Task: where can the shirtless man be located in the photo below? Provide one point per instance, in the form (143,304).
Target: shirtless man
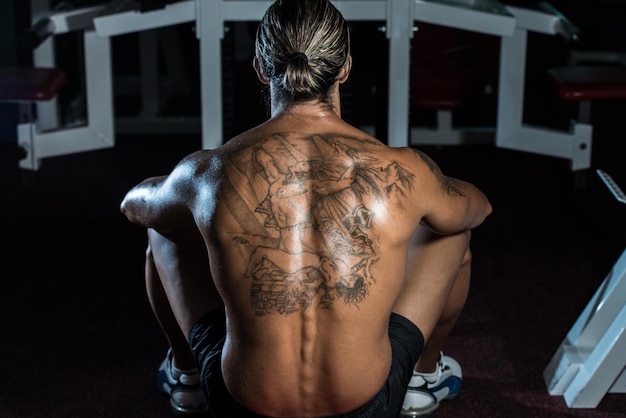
(302,266)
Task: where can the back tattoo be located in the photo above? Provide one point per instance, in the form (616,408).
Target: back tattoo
(304,208)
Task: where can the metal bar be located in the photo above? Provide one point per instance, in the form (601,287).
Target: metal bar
(135,21)
(76,19)
(617,192)
(237,10)
(536,21)
(488,17)
(541,141)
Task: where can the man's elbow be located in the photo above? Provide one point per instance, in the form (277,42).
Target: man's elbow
(125,208)
(487,210)
(130,209)
(482,214)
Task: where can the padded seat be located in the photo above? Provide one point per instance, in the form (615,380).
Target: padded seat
(584,83)
(25,84)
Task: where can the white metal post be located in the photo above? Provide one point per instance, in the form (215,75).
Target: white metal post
(511,85)
(210,30)
(399,33)
(47,112)
(44,56)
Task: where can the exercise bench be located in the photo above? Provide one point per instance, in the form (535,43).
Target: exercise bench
(585,84)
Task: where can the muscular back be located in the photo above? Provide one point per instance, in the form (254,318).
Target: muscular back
(308,244)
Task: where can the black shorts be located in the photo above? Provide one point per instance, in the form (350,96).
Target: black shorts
(207,340)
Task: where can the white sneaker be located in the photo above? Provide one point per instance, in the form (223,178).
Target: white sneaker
(183,387)
(424,395)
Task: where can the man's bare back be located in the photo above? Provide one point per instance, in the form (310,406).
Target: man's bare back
(315,233)
(310,271)
(307,235)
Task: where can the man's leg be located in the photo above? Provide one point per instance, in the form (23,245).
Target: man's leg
(183,267)
(180,290)
(436,288)
(183,358)
(435,292)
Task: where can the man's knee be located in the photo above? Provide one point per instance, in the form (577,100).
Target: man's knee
(460,245)
(149,256)
(467,255)
(149,248)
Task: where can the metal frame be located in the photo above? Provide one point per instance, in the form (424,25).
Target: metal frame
(511,132)
(211,16)
(485,16)
(45,137)
(481,16)
(591,361)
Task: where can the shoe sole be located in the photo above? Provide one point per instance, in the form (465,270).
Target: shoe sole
(425,412)
(181,412)
(420,413)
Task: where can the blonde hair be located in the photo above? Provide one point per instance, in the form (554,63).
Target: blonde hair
(302,46)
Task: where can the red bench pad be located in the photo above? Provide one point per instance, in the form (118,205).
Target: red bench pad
(590,82)
(30,84)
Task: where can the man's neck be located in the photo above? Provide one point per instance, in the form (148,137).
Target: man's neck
(310,109)
(313,110)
